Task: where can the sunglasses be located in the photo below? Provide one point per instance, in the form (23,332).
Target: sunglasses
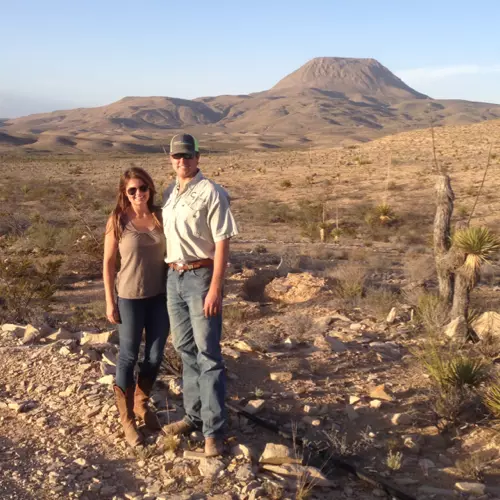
(143,189)
(185,156)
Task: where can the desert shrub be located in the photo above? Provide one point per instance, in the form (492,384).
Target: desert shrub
(394,460)
(382,215)
(380,301)
(260,249)
(491,399)
(299,327)
(285,183)
(419,268)
(351,279)
(432,313)
(454,370)
(25,288)
(12,224)
(471,467)
(234,315)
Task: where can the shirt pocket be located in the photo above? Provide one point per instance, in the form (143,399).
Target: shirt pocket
(196,214)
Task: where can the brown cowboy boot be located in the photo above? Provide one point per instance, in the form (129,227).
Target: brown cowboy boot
(213,447)
(125,403)
(141,408)
(179,427)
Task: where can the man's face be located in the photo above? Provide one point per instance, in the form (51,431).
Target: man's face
(185,165)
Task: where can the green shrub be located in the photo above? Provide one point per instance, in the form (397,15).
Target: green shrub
(25,288)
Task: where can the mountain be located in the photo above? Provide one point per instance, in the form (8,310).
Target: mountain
(326,102)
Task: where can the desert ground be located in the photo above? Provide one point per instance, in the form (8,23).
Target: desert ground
(330,341)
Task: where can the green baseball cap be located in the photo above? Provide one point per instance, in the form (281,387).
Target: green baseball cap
(183,143)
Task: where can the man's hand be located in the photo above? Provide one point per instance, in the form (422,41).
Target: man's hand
(112,313)
(213,303)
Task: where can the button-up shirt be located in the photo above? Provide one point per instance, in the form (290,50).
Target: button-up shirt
(196,219)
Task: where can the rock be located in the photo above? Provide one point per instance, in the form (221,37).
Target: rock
(354,399)
(240,450)
(196,436)
(456,328)
(81,462)
(278,454)
(411,444)
(16,331)
(175,386)
(210,467)
(314,476)
(471,488)
(488,324)
(107,369)
(281,376)
(315,422)
(440,492)
(109,357)
(227,351)
(245,346)
(377,492)
(99,338)
(356,327)
(63,334)
(426,464)
(391,317)
(311,410)
(401,419)
(106,380)
(245,473)
(375,403)
(31,334)
(389,350)
(254,406)
(336,344)
(64,350)
(379,393)
(295,288)
(352,414)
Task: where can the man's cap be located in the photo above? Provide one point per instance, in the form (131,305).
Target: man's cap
(183,143)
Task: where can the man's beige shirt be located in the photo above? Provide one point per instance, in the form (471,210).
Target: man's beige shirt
(196,219)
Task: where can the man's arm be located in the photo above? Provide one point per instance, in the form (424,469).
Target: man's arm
(213,300)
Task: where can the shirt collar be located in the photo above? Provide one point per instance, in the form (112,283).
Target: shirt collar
(197,178)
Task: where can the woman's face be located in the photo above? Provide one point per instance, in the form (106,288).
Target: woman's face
(137,192)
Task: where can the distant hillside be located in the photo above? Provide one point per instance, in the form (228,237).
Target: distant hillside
(328,101)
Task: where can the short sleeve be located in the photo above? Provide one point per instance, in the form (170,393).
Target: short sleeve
(220,218)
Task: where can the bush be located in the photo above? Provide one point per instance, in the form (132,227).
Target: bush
(432,312)
(492,400)
(26,289)
(351,280)
(286,184)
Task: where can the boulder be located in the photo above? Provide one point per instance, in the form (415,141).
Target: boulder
(99,338)
(295,288)
(14,330)
(488,324)
(278,454)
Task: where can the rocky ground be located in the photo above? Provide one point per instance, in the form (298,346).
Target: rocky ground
(345,380)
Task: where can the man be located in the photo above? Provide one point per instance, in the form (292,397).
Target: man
(198,224)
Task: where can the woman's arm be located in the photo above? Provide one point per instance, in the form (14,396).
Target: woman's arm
(109,269)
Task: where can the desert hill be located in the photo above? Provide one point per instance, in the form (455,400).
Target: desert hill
(326,102)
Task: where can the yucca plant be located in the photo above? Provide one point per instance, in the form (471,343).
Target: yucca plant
(492,399)
(464,371)
(479,244)
(456,371)
(382,214)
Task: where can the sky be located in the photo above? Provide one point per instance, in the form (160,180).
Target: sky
(62,54)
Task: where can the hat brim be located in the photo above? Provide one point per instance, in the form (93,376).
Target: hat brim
(183,149)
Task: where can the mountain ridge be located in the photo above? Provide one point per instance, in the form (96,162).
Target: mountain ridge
(327,101)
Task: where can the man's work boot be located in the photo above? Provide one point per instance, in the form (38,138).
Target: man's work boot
(141,407)
(179,427)
(213,447)
(125,404)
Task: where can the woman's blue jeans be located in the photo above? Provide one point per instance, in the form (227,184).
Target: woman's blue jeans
(197,340)
(136,315)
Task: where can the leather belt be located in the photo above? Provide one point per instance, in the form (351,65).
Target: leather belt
(195,264)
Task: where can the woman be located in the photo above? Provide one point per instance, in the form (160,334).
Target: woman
(134,230)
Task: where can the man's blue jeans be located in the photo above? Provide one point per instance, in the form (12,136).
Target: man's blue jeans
(197,340)
(136,315)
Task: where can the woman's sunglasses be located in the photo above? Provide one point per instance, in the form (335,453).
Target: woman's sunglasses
(185,156)
(131,191)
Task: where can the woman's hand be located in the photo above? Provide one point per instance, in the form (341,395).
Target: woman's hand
(112,313)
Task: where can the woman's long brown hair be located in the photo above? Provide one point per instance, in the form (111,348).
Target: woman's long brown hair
(122,202)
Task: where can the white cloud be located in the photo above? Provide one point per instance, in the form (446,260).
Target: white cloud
(419,75)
